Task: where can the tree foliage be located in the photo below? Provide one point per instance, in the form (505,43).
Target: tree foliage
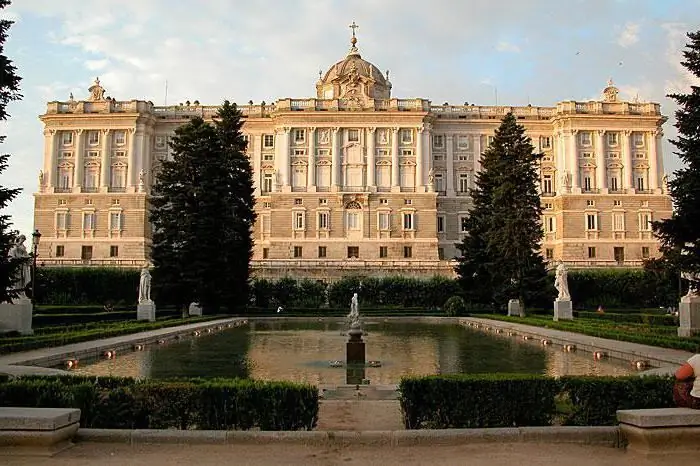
(680,234)
(9,92)
(500,257)
(202,212)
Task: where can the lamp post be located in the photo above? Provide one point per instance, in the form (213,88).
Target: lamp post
(36,236)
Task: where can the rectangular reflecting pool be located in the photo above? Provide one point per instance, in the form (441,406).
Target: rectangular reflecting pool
(313,351)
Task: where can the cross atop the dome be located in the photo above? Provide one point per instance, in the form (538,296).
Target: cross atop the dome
(353,26)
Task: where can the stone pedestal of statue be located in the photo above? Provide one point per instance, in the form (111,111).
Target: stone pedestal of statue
(355,348)
(195,309)
(563,310)
(146,310)
(689,316)
(16,316)
(515,308)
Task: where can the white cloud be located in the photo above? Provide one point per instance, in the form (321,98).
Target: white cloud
(96,65)
(505,46)
(629,35)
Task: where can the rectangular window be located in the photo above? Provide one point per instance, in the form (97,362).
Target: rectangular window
(299,152)
(547,184)
(93,154)
(353,135)
(585,138)
(591,222)
(384,201)
(638,139)
(439,182)
(463,224)
(323,152)
(613,183)
(408,221)
(645,252)
(549,253)
(441,254)
(86,253)
(408,201)
(298,201)
(353,221)
(441,224)
(438,141)
(406,136)
(590,203)
(489,140)
(115,221)
(120,138)
(406,152)
(407,252)
(550,224)
(645,222)
(93,138)
(353,252)
(546,142)
(321,252)
(462,142)
(266,253)
(60,251)
(617,203)
(298,220)
(383,252)
(114,251)
(640,183)
(591,252)
(323,220)
(323,201)
(297,251)
(384,221)
(619,254)
(299,135)
(88,221)
(618,221)
(62,221)
(67,138)
(587,183)
(612,139)
(267,183)
(268,141)
(463,183)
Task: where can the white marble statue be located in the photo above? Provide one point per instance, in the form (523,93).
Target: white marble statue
(693,279)
(145,286)
(354,316)
(561,283)
(24,273)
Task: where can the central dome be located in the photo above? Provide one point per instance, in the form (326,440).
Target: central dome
(353,76)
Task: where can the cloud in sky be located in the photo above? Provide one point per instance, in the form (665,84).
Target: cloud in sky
(539,51)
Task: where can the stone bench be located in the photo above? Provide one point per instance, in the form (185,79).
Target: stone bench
(664,431)
(37,431)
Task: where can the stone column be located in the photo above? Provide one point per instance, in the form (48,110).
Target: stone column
(428,157)
(106,161)
(477,153)
(286,184)
(449,154)
(135,158)
(145,159)
(78,181)
(628,178)
(573,162)
(335,159)
(131,170)
(257,142)
(395,176)
(653,161)
(661,173)
(311,162)
(51,161)
(600,172)
(419,183)
(371,152)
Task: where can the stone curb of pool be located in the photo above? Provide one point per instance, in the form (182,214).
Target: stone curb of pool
(623,350)
(96,348)
(587,435)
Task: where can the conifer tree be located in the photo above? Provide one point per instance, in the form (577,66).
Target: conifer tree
(500,253)
(9,92)
(680,234)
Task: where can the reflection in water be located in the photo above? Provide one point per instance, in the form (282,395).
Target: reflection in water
(301,351)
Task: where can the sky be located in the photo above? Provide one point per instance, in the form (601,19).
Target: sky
(510,52)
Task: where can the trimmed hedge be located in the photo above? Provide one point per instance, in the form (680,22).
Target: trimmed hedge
(502,400)
(74,318)
(220,404)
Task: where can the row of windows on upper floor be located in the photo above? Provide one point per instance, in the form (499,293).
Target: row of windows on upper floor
(592,253)
(94,137)
(592,222)
(85,251)
(89,219)
(588,181)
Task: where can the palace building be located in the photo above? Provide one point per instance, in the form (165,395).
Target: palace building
(355,180)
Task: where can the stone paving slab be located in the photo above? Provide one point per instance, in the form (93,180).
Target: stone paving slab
(55,355)
(618,349)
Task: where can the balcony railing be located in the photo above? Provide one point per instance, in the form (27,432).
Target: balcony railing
(117,189)
(89,189)
(63,189)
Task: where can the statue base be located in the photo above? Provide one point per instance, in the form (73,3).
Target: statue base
(146,311)
(689,316)
(355,374)
(16,316)
(355,347)
(195,310)
(515,308)
(563,310)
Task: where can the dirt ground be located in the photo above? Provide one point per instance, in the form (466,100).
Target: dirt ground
(359,415)
(475,454)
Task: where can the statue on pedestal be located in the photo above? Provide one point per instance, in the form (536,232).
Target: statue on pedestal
(561,283)
(354,316)
(21,280)
(145,286)
(693,279)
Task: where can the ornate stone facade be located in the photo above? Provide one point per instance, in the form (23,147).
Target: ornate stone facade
(356,180)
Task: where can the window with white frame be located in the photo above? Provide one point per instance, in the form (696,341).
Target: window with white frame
(617,203)
(353,221)
(585,138)
(119,138)
(299,177)
(384,221)
(93,138)
(464,224)
(268,141)
(115,221)
(267,183)
(463,142)
(641,181)
(640,155)
(618,221)
(383,176)
(323,220)
(64,177)
(547,184)
(323,201)
(546,142)
(353,135)
(299,135)
(439,182)
(645,221)
(463,182)
(298,220)
(406,135)
(440,223)
(590,203)
(408,221)
(550,224)
(323,152)
(614,180)
(489,140)
(438,141)
(93,154)
(587,182)
(299,152)
(613,139)
(67,138)
(268,157)
(118,176)
(89,222)
(406,152)
(591,222)
(638,139)
(384,201)
(91,178)
(61,220)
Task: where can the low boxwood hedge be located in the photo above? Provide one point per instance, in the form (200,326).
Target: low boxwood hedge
(122,403)
(502,400)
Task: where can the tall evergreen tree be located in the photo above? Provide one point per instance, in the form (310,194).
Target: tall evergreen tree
(9,92)
(202,215)
(500,253)
(681,232)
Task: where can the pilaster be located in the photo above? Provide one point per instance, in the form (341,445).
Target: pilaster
(311,161)
(477,153)
(335,159)
(420,184)
(257,141)
(449,154)
(371,151)
(78,181)
(600,172)
(573,162)
(650,140)
(50,136)
(106,160)
(628,176)
(395,179)
(131,169)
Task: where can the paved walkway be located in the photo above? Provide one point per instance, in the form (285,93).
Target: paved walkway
(506,454)
(615,348)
